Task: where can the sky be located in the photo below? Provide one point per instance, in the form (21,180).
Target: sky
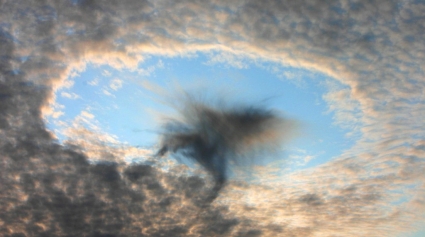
(91,90)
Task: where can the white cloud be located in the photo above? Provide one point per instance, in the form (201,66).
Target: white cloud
(106,73)
(148,71)
(87,114)
(67,84)
(106,92)
(228,59)
(94,82)
(115,84)
(71,96)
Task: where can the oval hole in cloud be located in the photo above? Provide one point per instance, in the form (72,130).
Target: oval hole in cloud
(123,104)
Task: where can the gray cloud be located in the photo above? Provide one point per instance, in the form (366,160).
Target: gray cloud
(376,49)
(217,137)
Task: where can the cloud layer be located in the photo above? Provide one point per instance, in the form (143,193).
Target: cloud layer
(376,49)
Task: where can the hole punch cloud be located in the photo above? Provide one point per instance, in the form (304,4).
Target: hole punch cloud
(376,49)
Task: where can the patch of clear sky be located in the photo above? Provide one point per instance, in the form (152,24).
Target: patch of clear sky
(126,113)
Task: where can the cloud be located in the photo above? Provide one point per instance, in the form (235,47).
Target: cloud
(374,49)
(150,69)
(228,59)
(106,73)
(94,82)
(216,136)
(71,96)
(115,84)
(106,92)
(84,134)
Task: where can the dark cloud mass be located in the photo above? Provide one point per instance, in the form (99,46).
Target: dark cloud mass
(216,137)
(375,48)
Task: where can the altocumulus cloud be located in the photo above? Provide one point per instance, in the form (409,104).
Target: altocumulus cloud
(52,190)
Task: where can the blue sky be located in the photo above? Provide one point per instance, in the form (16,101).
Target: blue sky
(86,85)
(127,112)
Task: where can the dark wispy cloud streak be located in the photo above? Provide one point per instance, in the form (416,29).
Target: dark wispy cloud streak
(217,136)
